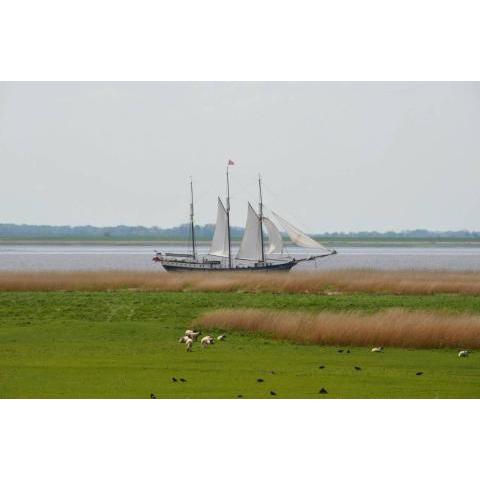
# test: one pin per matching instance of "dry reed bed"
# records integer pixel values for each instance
(348, 281)
(394, 328)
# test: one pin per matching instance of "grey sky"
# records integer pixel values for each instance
(334, 156)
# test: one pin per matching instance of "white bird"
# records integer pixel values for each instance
(463, 353)
(189, 344)
(208, 340)
(193, 335)
(377, 349)
(221, 337)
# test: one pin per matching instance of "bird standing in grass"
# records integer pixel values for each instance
(152, 395)
(273, 393)
(463, 353)
(377, 350)
(174, 379)
(222, 337)
(182, 380)
(193, 335)
(321, 366)
(419, 373)
(323, 391)
(357, 368)
(206, 341)
(259, 380)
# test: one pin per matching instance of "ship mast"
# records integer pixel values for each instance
(192, 225)
(228, 223)
(260, 208)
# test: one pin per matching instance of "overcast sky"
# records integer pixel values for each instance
(334, 156)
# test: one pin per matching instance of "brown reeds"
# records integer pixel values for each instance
(348, 281)
(395, 327)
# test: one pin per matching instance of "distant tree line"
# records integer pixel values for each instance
(202, 232)
(417, 233)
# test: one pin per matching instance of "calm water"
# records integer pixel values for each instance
(82, 257)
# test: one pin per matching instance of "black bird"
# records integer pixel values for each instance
(339, 351)
(419, 373)
(348, 351)
(152, 395)
(357, 368)
(272, 393)
(321, 366)
(322, 390)
(239, 396)
(272, 372)
(174, 379)
(182, 380)
(259, 380)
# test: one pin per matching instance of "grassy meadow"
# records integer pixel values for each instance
(121, 341)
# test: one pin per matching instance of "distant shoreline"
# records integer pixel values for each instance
(329, 242)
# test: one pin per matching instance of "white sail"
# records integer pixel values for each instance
(251, 246)
(219, 246)
(297, 236)
(274, 237)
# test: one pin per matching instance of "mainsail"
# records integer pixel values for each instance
(297, 236)
(251, 246)
(274, 237)
(219, 246)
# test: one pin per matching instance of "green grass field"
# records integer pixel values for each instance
(123, 344)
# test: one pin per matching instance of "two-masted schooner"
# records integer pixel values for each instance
(254, 254)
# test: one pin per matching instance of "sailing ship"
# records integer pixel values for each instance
(253, 254)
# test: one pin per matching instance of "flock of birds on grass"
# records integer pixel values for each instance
(461, 353)
(191, 336)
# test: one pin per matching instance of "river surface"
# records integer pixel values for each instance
(112, 257)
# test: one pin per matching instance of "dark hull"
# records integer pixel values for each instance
(199, 267)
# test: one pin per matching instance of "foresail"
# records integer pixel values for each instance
(274, 237)
(219, 246)
(251, 246)
(297, 236)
